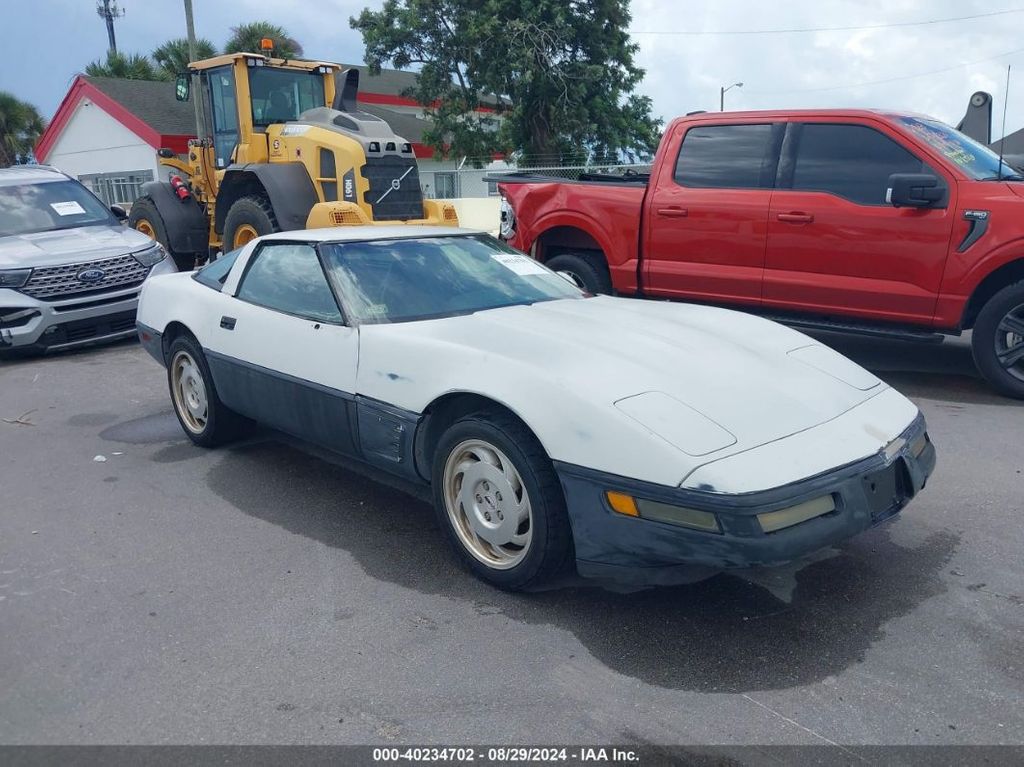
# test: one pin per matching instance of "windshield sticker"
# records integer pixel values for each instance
(521, 265)
(945, 144)
(71, 208)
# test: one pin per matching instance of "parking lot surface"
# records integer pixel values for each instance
(155, 592)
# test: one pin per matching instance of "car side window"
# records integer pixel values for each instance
(287, 277)
(850, 161)
(727, 157)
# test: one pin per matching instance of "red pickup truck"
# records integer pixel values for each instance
(850, 220)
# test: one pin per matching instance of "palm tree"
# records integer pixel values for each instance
(172, 57)
(20, 128)
(245, 38)
(130, 66)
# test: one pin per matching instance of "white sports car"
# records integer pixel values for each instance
(635, 440)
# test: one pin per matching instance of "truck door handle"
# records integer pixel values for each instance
(795, 218)
(228, 323)
(673, 212)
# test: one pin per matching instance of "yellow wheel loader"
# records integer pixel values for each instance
(284, 147)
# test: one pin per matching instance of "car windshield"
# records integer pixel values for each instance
(430, 277)
(215, 273)
(975, 159)
(49, 206)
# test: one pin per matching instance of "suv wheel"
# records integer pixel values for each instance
(998, 341)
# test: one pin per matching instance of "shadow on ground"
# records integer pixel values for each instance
(726, 634)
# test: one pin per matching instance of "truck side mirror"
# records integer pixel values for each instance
(183, 86)
(914, 190)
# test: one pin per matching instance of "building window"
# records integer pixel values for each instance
(117, 188)
(446, 185)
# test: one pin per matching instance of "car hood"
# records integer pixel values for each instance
(64, 246)
(754, 380)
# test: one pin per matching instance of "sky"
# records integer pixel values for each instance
(688, 49)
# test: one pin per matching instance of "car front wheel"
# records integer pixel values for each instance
(498, 499)
(998, 341)
(202, 415)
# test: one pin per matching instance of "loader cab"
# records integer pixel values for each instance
(242, 94)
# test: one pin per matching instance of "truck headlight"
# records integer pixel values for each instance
(14, 278)
(151, 256)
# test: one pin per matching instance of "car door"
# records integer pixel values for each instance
(280, 351)
(835, 244)
(706, 215)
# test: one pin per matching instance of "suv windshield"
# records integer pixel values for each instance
(48, 206)
(975, 159)
(431, 277)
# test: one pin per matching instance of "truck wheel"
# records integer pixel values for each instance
(589, 271)
(248, 218)
(499, 501)
(145, 218)
(998, 341)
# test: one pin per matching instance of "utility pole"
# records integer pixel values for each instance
(108, 11)
(191, 30)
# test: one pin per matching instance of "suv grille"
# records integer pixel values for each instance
(52, 282)
(394, 193)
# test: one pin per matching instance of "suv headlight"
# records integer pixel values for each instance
(14, 278)
(151, 255)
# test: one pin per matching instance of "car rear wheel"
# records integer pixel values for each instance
(145, 218)
(203, 417)
(499, 501)
(587, 270)
(247, 219)
(998, 341)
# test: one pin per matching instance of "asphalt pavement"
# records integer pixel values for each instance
(156, 592)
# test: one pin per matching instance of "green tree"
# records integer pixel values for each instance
(245, 38)
(20, 128)
(560, 75)
(130, 66)
(172, 57)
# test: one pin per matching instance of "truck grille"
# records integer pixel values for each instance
(52, 282)
(388, 202)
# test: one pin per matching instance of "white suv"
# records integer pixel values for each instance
(70, 271)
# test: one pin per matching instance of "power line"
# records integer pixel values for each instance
(855, 28)
(888, 79)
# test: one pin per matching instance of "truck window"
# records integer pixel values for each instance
(727, 157)
(850, 161)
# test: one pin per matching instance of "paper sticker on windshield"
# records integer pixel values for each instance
(71, 208)
(521, 265)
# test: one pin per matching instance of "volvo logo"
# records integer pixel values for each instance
(91, 275)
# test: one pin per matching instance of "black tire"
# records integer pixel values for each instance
(588, 269)
(221, 424)
(1000, 318)
(255, 212)
(144, 212)
(550, 551)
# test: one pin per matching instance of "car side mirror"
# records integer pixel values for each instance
(183, 86)
(119, 213)
(914, 190)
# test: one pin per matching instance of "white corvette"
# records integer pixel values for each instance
(634, 440)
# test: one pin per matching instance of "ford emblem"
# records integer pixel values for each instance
(91, 275)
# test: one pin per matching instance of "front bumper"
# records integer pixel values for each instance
(33, 325)
(629, 549)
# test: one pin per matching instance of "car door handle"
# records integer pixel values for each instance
(795, 218)
(228, 323)
(673, 212)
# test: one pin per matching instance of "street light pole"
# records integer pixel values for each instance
(722, 90)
